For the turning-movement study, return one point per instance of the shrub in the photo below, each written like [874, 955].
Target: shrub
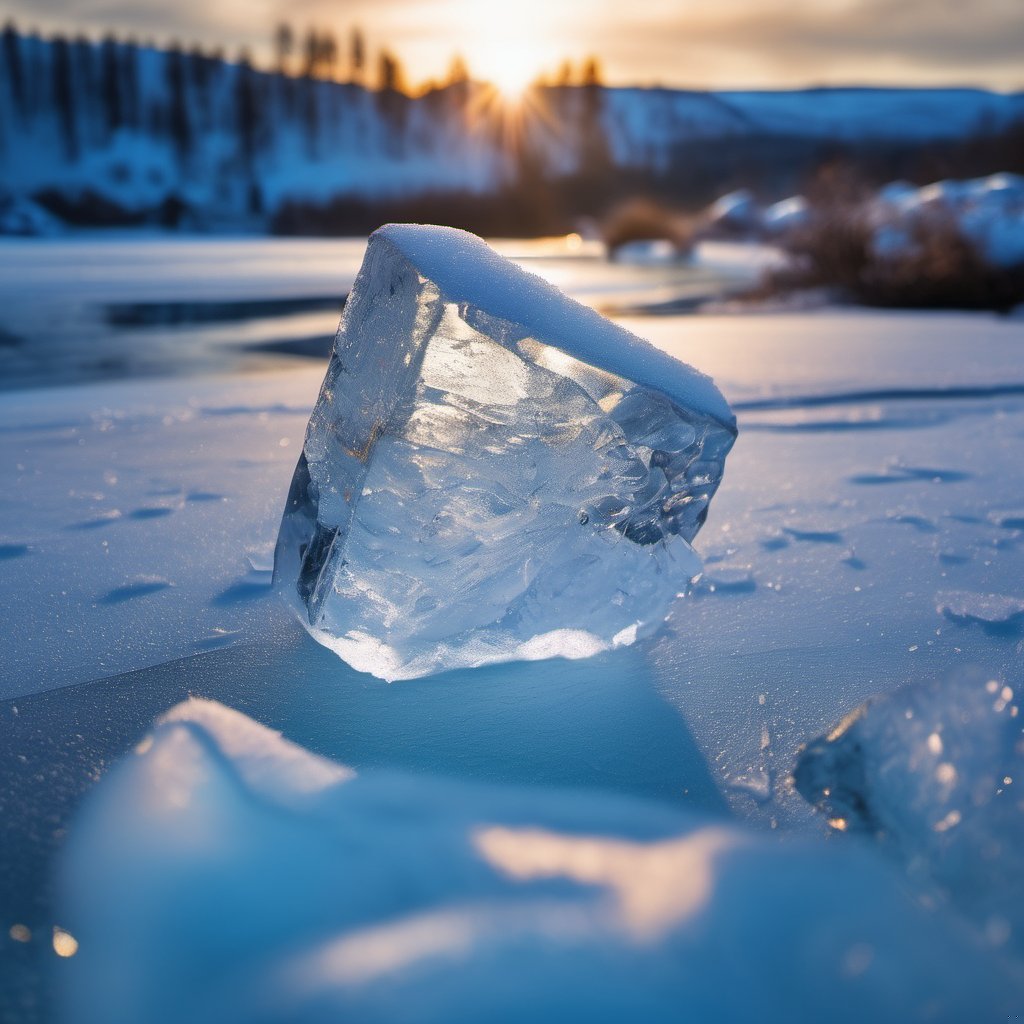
[642, 220]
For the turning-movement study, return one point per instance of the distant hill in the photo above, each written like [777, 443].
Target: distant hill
[113, 133]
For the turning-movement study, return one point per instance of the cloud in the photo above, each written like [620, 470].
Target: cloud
[929, 30]
[865, 39]
[712, 43]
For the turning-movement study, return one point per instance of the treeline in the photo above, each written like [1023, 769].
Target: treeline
[95, 90]
[331, 141]
[188, 131]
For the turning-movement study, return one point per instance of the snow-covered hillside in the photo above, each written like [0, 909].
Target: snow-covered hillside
[122, 129]
[137, 127]
[866, 113]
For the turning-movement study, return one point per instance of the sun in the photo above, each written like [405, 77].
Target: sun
[510, 70]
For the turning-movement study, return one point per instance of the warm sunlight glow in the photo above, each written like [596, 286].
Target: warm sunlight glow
[510, 70]
[64, 943]
[510, 112]
[657, 885]
[510, 46]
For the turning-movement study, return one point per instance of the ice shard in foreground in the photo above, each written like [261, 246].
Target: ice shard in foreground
[492, 470]
[932, 772]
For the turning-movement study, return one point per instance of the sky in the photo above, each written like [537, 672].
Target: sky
[708, 44]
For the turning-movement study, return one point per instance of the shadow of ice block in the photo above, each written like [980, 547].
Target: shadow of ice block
[594, 725]
[590, 724]
[223, 875]
[492, 472]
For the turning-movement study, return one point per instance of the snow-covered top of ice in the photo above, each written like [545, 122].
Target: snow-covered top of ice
[468, 271]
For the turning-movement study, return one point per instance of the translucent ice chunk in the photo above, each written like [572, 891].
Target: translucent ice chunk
[492, 471]
[934, 772]
[221, 875]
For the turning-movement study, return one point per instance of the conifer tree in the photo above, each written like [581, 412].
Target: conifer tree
[131, 107]
[390, 74]
[110, 84]
[327, 55]
[357, 56]
[246, 113]
[177, 99]
[311, 54]
[284, 43]
[64, 95]
[15, 69]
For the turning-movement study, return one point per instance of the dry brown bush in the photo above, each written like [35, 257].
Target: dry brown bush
[642, 220]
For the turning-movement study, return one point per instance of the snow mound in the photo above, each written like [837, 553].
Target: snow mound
[934, 772]
[987, 609]
[492, 471]
[786, 215]
[989, 212]
[739, 213]
[735, 211]
[22, 217]
[220, 875]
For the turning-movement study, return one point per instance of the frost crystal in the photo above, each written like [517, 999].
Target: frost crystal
[492, 471]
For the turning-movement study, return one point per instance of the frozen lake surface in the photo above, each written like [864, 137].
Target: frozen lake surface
[869, 533]
[109, 308]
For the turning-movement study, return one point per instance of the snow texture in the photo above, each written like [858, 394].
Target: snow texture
[492, 472]
[877, 479]
[222, 875]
